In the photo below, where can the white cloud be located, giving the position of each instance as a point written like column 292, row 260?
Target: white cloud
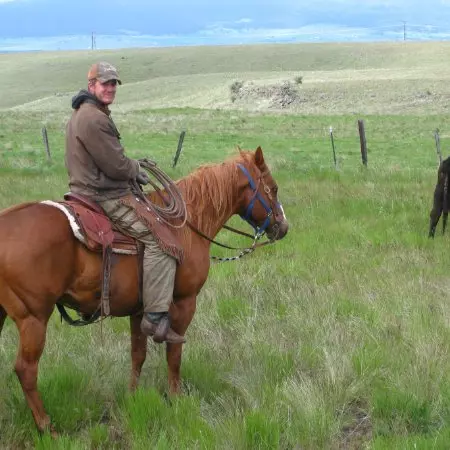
column 129, row 32
column 247, row 20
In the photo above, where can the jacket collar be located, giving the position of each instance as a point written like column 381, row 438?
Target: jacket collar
column 86, row 97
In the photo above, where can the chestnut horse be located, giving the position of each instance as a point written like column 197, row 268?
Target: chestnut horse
column 41, row 264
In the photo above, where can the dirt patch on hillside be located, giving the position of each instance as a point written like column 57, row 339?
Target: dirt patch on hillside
column 277, row 96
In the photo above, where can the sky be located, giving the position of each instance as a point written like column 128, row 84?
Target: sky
column 64, row 24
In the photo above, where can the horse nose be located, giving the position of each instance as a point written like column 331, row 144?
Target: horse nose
column 278, row 230
column 284, row 227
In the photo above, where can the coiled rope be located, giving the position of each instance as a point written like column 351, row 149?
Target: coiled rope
column 174, row 211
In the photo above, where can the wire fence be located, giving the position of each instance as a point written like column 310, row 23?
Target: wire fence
column 327, row 145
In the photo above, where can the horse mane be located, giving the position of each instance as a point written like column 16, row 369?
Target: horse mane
column 210, row 190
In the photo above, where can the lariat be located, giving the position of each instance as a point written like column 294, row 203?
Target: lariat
column 174, row 212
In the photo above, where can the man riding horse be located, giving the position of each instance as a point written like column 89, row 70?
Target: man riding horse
column 99, row 169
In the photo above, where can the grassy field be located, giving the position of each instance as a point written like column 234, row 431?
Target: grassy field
column 336, row 337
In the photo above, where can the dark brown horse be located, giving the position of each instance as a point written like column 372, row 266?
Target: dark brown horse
column 440, row 198
column 41, row 264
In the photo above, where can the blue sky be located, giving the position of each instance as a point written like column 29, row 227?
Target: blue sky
column 65, row 24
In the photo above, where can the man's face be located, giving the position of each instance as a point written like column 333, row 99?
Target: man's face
column 105, row 92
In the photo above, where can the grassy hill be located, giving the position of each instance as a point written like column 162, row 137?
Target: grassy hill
column 337, row 78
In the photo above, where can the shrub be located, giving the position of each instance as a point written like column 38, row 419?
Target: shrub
column 236, row 87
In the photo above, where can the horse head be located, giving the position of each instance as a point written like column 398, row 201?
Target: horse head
column 259, row 205
column 440, row 199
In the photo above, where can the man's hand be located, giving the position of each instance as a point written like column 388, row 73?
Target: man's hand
column 142, row 178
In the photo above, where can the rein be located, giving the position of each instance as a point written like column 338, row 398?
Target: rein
column 242, row 233
column 245, row 251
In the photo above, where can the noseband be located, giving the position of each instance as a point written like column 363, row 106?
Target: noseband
column 247, row 216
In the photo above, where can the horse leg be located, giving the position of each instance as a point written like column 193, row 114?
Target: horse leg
column 435, row 213
column 138, row 350
column 181, row 314
column 32, row 340
column 3, row 316
column 173, row 355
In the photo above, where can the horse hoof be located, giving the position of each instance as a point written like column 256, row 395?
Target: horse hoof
column 50, row 429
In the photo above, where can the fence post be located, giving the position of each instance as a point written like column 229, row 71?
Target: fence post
column 362, row 140
column 45, row 139
column 437, row 140
column 332, row 146
column 179, row 148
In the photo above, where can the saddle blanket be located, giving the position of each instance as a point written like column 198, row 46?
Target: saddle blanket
column 79, row 234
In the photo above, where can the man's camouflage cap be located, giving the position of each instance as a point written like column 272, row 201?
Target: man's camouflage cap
column 103, row 72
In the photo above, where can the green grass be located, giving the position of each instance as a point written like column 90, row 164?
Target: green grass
column 336, row 337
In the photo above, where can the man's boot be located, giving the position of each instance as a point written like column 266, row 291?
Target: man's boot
column 158, row 326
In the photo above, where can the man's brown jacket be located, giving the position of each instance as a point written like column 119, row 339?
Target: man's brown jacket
column 95, row 159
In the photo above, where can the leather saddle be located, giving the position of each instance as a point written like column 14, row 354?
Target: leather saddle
column 97, row 229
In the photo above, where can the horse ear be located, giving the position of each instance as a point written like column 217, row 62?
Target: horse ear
column 259, row 157
column 238, row 148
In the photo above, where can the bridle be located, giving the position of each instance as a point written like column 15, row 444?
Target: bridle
column 259, row 231
column 247, row 216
